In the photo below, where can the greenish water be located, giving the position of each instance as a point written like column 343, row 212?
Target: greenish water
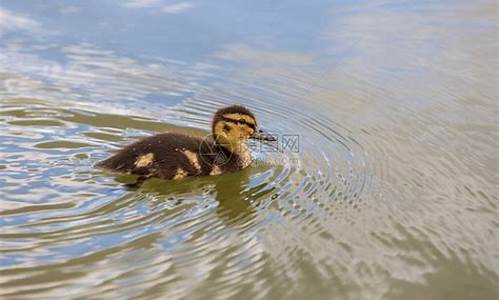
column 392, row 192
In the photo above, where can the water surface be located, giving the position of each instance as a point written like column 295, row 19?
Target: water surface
column 391, row 192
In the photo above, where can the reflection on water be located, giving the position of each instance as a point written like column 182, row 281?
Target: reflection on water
column 393, row 193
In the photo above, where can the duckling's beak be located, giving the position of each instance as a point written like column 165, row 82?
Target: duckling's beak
column 260, row 134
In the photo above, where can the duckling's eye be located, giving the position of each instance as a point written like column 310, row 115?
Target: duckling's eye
column 241, row 121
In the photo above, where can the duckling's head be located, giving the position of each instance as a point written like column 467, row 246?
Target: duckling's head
column 234, row 124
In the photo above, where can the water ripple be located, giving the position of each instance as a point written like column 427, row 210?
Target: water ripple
column 81, row 215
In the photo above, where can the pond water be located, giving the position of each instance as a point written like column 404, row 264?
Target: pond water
column 384, row 186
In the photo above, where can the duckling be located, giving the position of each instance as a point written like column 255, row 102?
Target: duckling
column 175, row 156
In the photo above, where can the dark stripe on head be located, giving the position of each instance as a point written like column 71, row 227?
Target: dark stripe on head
column 240, row 121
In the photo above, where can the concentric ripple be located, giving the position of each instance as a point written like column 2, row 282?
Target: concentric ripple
column 61, row 216
column 383, row 183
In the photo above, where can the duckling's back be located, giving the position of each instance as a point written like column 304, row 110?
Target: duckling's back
column 166, row 156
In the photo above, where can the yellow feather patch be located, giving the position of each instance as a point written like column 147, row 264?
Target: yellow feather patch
column 144, row 160
column 193, row 159
column 215, row 171
column 179, row 174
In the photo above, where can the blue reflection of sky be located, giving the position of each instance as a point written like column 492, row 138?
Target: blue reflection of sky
column 188, row 31
column 152, row 50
